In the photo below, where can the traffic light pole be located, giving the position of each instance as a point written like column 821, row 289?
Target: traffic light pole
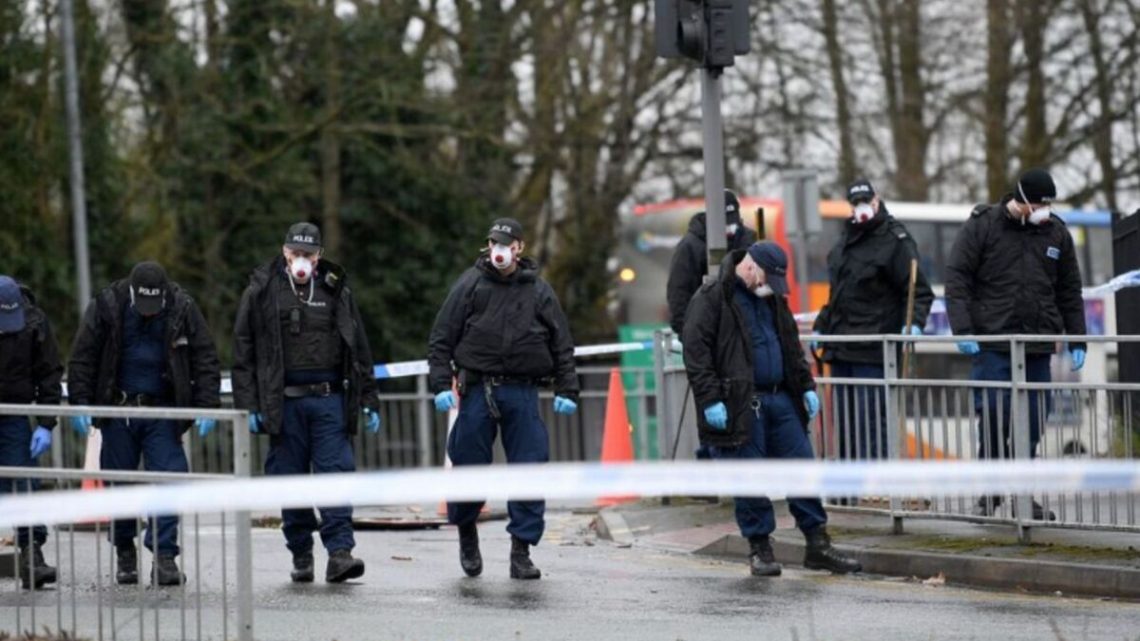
column 713, row 135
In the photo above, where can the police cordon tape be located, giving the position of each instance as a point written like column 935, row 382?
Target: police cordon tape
column 574, row 481
column 416, row 368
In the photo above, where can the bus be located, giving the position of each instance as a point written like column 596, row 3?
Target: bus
column 650, row 232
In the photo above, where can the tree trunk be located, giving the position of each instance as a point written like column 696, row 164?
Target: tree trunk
column 1102, row 134
column 330, row 143
column 998, row 77
column 847, row 166
column 1035, row 138
column 913, row 183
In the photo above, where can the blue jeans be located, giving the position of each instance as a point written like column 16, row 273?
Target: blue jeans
column 860, row 412
column 524, row 439
column 993, row 408
column 159, row 444
column 15, row 451
column 314, row 439
column 777, row 433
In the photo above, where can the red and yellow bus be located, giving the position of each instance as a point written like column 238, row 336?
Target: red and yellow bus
column 650, row 232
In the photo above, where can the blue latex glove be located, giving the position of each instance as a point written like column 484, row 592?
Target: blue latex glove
column 255, row 420
column 915, row 330
column 41, row 441
column 969, row 347
column 205, row 425
column 445, row 401
column 563, row 405
column 811, row 402
column 717, row 416
column 81, row 425
column 371, row 420
column 814, row 345
column 1078, row 355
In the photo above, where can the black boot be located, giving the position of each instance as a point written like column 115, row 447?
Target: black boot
column 762, row 560
column 127, row 564
column 987, row 506
column 1039, row 512
column 302, row 567
column 819, row 555
column 521, row 566
column 469, row 557
column 342, row 567
column 166, row 571
column 39, row 573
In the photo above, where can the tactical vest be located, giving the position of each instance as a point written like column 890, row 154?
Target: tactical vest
column 309, row 334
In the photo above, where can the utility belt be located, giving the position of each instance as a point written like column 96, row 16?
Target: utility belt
column 761, row 391
column 474, row 378
column 315, row 389
column 768, row 390
column 141, row 400
column 468, row 378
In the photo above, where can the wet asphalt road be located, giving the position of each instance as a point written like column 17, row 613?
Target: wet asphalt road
column 414, row 589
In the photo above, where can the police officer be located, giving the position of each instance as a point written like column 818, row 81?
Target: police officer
column 690, row 260
column 303, row 368
column 144, row 343
column 1013, row 270
column 756, row 393
column 30, row 372
column 869, row 273
column 502, row 331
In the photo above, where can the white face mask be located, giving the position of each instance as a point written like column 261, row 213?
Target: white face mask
column 301, row 268
column 730, row 230
column 502, row 257
column 1039, row 215
column 863, row 212
column 763, row 291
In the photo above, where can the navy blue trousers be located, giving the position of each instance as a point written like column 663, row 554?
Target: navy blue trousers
column 777, row 433
column 314, row 439
column 860, row 412
column 995, row 441
column 158, row 444
column 524, row 439
column 16, row 451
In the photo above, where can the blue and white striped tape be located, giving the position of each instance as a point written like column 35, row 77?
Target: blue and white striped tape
column 574, row 481
column 416, row 368
column 402, row 369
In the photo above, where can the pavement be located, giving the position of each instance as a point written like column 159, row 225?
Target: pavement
column 591, row 590
column 1057, row 561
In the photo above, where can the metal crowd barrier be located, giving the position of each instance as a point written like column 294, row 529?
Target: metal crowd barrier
column 86, row 602
column 942, row 419
column 414, row 434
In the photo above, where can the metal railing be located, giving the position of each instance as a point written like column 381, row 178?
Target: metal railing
column 216, row 554
column 414, row 434
column 895, row 417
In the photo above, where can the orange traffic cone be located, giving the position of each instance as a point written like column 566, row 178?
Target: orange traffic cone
column 617, row 442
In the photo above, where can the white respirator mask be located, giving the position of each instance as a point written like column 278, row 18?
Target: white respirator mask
column 301, row 268
column 1037, row 216
column 501, row 256
column 763, row 291
column 730, row 230
column 862, row 213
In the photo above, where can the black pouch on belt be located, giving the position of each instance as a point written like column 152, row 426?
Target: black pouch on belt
column 489, row 396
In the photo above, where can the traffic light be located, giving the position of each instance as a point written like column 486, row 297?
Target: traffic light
column 711, row 32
